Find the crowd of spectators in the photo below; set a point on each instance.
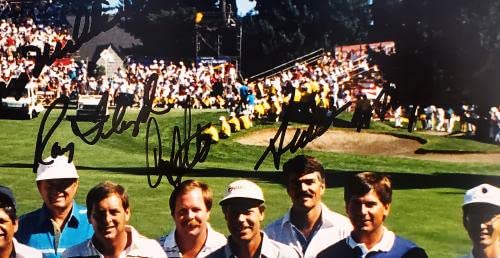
(464, 120)
(325, 83)
(316, 87)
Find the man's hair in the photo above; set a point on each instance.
(302, 165)
(103, 190)
(362, 183)
(188, 186)
(8, 208)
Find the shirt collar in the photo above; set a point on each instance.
(73, 219)
(14, 245)
(266, 249)
(384, 245)
(211, 239)
(170, 239)
(129, 250)
(325, 221)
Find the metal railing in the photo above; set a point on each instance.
(308, 58)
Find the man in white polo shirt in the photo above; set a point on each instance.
(309, 226)
(190, 205)
(481, 218)
(109, 212)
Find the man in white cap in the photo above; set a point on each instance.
(243, 208)
(60, 223)
(9, 247)
(481, 218)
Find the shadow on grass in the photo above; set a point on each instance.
(334, 178)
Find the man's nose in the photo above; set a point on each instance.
(363, 209)
(303, 187)
(107, 217)
(241, 217)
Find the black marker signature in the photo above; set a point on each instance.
(300, 139)
(179, 162)
(42, 140)
(390, 100)
(118, 126)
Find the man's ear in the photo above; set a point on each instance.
(262, 209)
(323, 186)
(387, 210)
(16, 224)
(127, 214)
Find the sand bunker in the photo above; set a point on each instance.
(367, 143)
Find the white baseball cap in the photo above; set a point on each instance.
(484, 193)
(243, 189)
(58, 168)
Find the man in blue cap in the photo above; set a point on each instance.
(60, 223)
(9, 247)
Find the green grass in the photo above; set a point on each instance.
(427, 196)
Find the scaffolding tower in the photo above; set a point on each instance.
(218, 34)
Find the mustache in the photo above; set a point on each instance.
(192, 223)
(304, 194)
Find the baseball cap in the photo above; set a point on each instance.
(6, 195)
(58, 168)
(484, 193)
(243, 189)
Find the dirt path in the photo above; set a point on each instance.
(368, 143)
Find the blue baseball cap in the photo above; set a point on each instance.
(6, 195)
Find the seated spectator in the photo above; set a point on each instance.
(245, 121)
(210, 134)
(225, 130)
(234, 122)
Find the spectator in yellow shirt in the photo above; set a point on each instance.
(225, 130)
(234, 122)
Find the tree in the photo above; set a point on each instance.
(286, 29)
(446, 51)
(165, 27)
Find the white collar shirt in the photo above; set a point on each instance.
(215, 240)
(334, 227)
(24, 251)
(140, 247)
(269, 249)
(384, 245)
